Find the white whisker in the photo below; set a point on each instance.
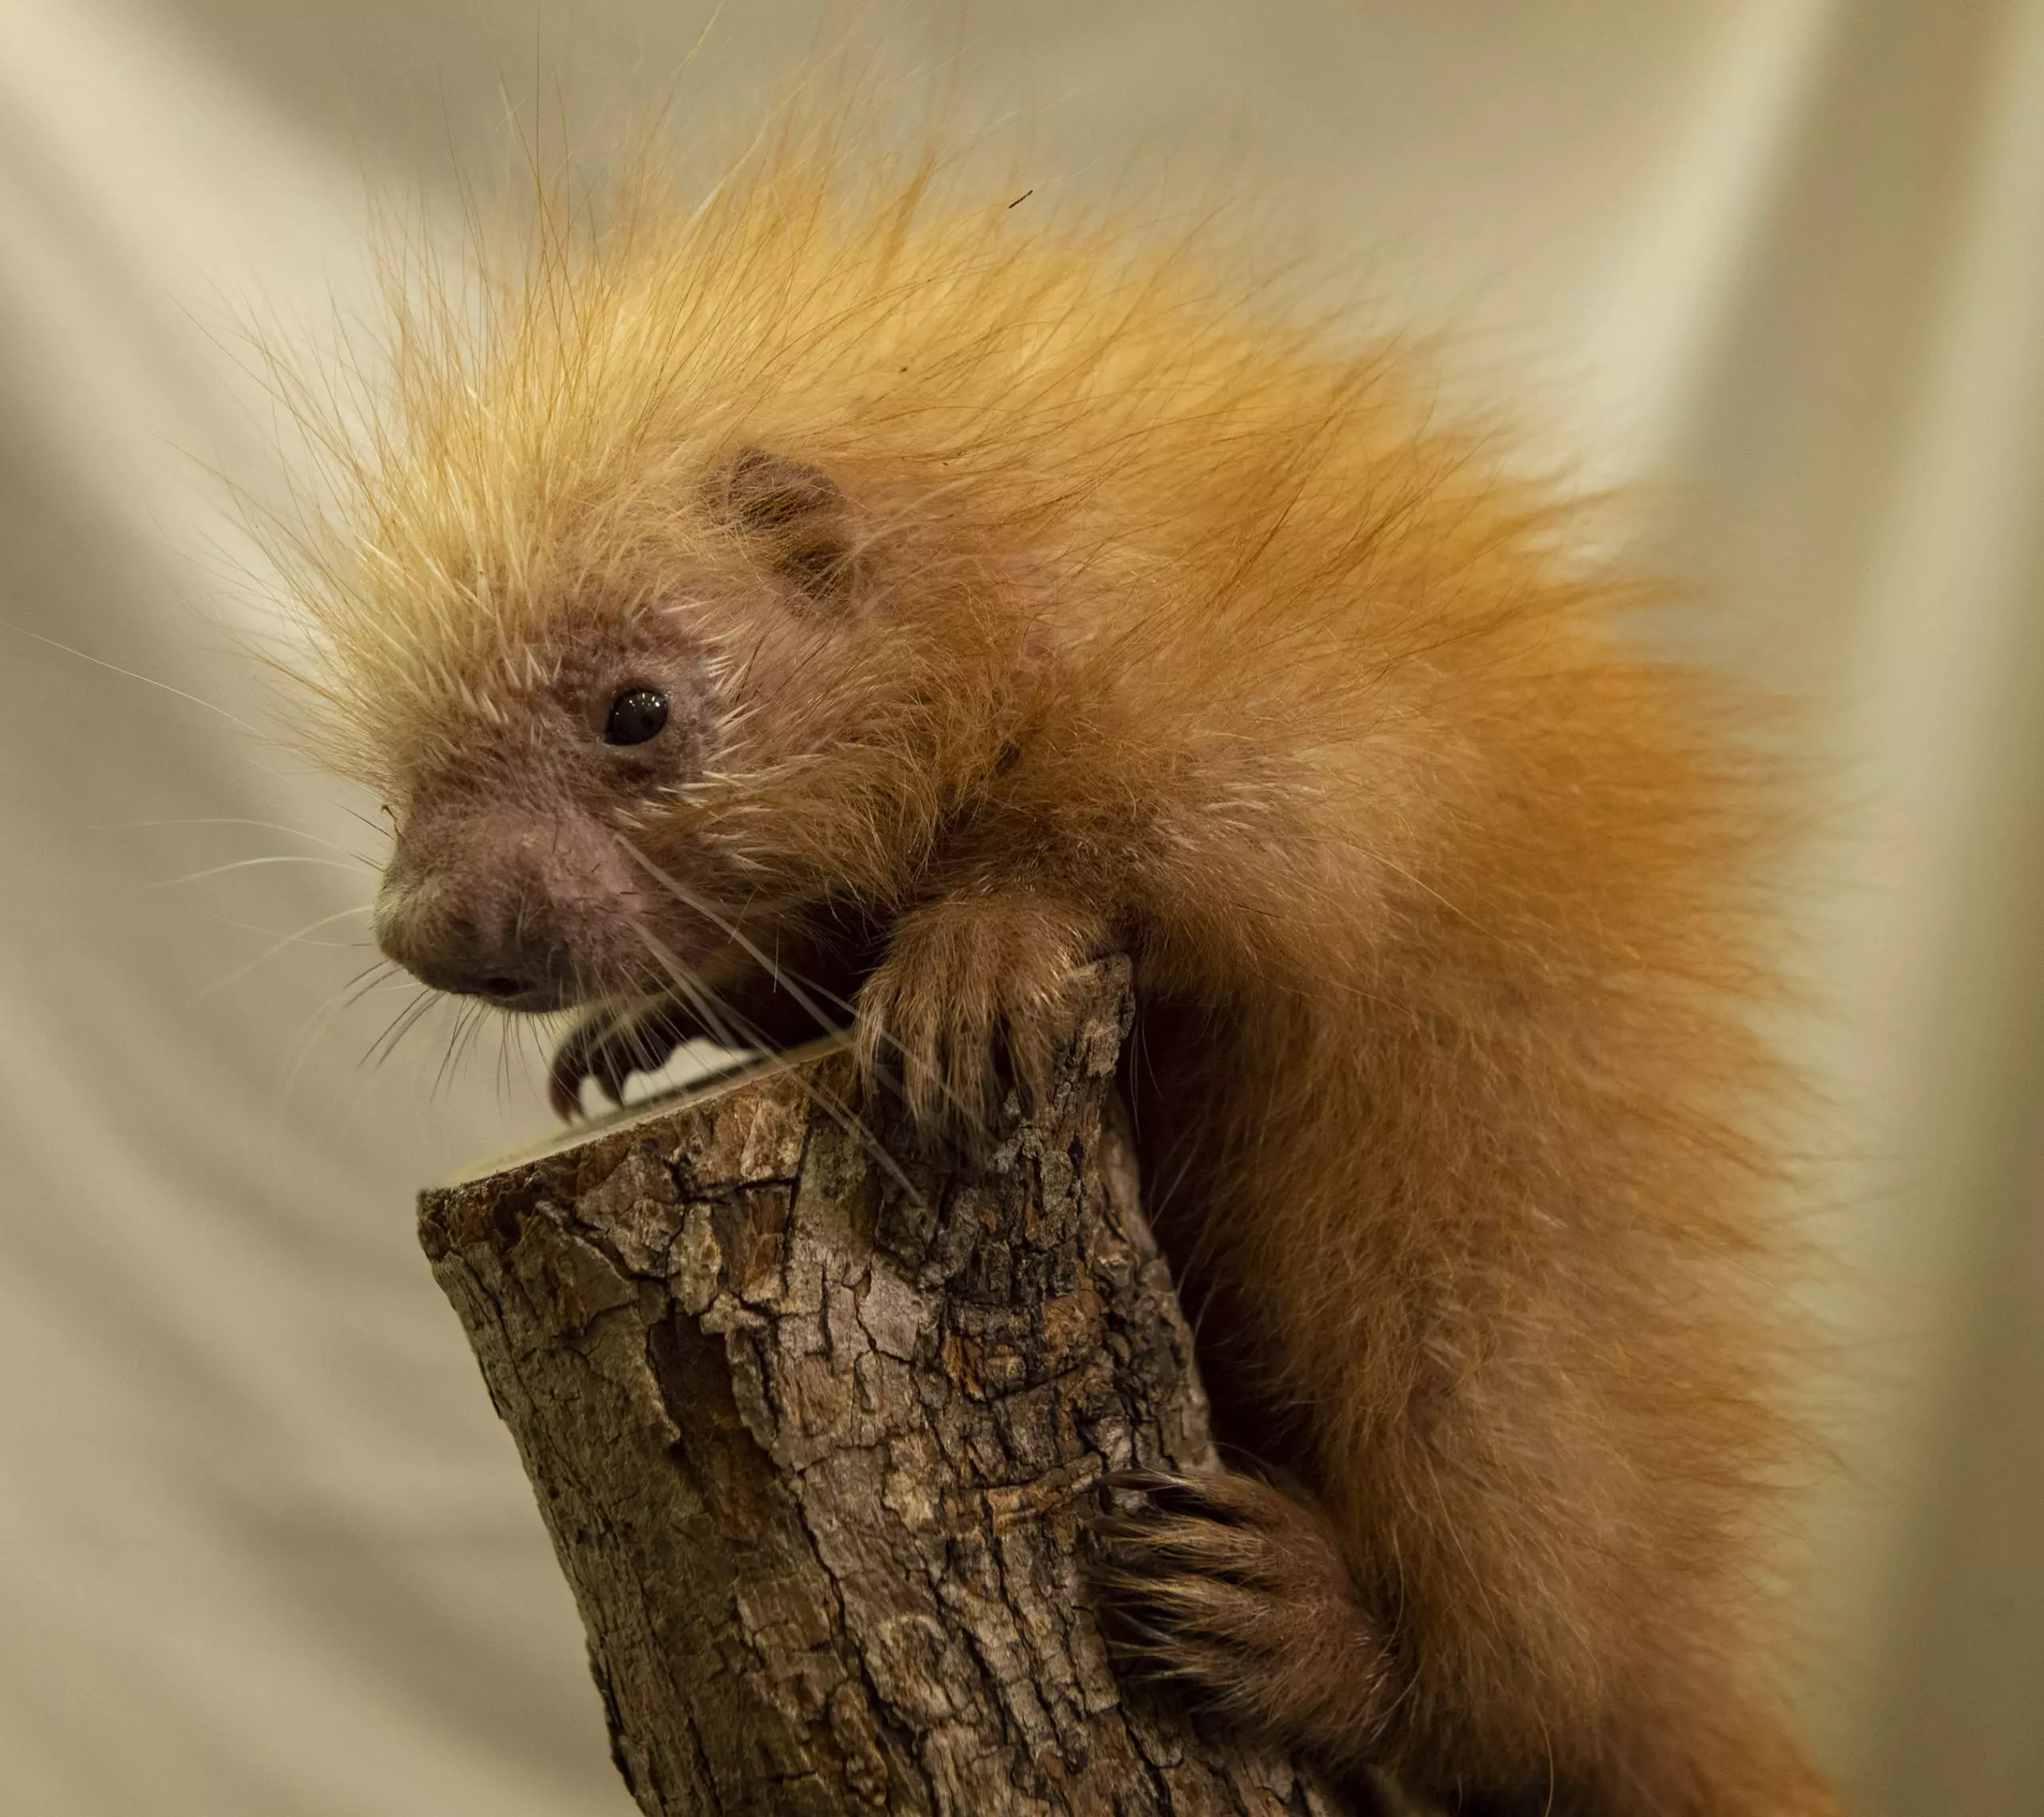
(286, 940)
(249, 864)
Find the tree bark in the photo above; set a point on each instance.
(815, 1427)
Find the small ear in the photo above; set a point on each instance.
(796, 514)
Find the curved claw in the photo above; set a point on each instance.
(609, 1045)
(960, 1021)
(575, 1059)
(1240, 1594)
(565, 1072)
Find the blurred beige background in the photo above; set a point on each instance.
(263, 1548)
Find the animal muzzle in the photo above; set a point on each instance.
(513, 912)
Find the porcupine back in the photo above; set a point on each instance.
(1448, 897)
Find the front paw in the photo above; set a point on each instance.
(610, 1045)
(1239, 1594)
(963, 1017)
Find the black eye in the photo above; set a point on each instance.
(637, 715)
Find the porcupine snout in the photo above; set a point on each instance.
(497, 906)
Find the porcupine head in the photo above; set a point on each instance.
(681, 585)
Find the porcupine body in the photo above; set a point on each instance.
(839, 600)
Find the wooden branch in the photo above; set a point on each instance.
(813, 1430)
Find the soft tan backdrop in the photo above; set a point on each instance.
(264, 1550)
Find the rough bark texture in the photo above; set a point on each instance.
(813, 1430)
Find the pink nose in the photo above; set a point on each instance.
(483, 905)
(458, 955)
(492, 939)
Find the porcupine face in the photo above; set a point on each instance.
(514, 876)
(561, 843)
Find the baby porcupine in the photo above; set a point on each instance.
(835, 599)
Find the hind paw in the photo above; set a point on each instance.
(1239, 1593)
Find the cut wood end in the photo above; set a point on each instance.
(814, 1425)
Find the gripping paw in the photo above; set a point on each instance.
(967, 1007)
(609, 1045)
(1239, 1593)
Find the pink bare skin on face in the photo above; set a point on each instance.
(514, 877)
(547, 857)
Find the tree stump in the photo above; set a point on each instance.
(814, 1427)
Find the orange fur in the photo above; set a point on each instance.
(1162, 618)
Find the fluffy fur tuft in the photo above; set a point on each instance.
(1100, 599)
